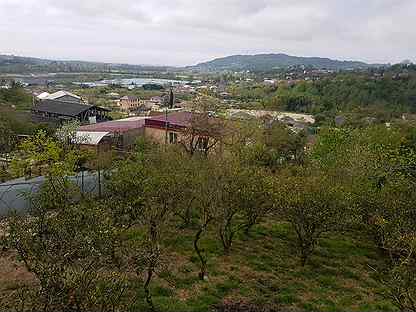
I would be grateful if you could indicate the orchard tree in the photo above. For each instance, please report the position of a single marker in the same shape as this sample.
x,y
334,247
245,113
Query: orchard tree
x,y
205,131
244,197
7,137
66,251
66,240
284,144
313,205
397,227
207,198
255,196
228,208
146,191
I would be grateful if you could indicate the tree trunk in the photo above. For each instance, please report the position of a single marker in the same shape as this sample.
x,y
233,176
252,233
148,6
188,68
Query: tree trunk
x,y
303,258
147,289
226,240
251,221
203,266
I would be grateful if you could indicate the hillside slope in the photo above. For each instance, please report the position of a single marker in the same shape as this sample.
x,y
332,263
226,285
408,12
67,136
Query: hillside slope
x,y
20,64
266,62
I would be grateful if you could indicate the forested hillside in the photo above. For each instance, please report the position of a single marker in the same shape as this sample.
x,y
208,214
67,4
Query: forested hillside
x,y
347,92
18,64
365,95
267,62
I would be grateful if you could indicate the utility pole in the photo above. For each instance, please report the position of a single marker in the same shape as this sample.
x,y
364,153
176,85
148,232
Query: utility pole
x,y
166,126
170,105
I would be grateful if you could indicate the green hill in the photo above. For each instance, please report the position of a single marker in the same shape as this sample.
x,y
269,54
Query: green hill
x,y
267,62
20,64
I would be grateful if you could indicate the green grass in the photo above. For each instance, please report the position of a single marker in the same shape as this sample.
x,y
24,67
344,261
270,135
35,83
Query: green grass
x,y
264,269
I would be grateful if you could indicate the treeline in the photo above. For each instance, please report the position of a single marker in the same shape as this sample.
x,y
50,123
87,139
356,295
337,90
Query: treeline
x,y
349,92
18,64
364,95
95,254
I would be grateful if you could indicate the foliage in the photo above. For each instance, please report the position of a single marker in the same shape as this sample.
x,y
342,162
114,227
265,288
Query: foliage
x,y
170,219
204,132
363,96
144,195
7,138
64,242
45,155
207,192
313,205
17,96
68,264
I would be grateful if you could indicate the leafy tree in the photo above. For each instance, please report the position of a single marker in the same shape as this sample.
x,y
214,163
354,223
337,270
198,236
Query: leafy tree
x,y
7,137
146,192
313,205
207,197
17,96
204,132
65,242
255,196
284,144
396,224
66,251
243,196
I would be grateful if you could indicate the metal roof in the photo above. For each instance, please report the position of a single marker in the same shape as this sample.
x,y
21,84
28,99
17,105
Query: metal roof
x,y
62,108
60,94
43,96
181,119
116,126
90,138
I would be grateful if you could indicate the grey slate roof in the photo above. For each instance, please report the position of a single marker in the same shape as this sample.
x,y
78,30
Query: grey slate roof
x,y
70,109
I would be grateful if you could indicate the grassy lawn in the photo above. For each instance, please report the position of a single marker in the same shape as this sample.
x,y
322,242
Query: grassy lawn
x,y
264,270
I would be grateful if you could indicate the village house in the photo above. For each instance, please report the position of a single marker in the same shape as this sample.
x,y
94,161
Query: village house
x,y
120,134
53,111
167,128
158,100
195,132
125,132
163,129
129,103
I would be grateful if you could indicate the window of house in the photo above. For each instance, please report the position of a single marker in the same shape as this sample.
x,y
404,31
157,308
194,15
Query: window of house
x,y
173,138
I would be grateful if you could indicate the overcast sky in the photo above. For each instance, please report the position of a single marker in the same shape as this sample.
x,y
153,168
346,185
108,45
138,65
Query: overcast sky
x,y
185,32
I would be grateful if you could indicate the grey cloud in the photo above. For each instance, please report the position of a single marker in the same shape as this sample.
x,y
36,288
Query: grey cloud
x,y
179,32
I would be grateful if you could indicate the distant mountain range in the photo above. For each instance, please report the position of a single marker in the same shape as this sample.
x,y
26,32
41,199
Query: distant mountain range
x,y
268,62
259,62
20,64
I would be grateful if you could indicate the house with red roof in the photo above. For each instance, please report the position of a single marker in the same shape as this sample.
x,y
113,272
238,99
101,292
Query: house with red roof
x,y
169,128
